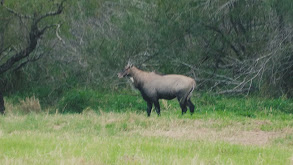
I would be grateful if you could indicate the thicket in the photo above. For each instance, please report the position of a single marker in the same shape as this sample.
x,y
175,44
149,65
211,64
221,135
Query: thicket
x,y
228,46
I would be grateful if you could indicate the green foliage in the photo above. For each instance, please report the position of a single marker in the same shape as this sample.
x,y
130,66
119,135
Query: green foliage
x,y
101,36
75,101
123,103
251,107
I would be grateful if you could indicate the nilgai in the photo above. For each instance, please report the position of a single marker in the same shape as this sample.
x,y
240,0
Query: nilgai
x,y
153,87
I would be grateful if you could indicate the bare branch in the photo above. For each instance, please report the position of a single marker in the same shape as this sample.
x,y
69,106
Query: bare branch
x,y
35,34
57,34
52,13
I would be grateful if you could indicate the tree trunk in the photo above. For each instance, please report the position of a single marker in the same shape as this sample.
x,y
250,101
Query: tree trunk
x,y
2,107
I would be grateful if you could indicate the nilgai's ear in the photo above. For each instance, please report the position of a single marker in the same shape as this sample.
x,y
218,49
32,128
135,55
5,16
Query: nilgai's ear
x,y
129,64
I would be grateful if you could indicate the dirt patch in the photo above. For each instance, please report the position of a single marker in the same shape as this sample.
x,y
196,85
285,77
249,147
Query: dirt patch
x,y
252,137
239,137
58,127
232,134
131,159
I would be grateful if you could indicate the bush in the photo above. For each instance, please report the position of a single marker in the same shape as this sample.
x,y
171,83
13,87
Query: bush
x,y
78,100
75,101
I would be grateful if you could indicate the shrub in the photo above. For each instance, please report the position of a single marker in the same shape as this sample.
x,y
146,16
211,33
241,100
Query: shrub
x,y
76,100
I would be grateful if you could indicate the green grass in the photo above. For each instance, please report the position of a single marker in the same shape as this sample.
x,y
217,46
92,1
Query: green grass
x,y
223,130
51,149
132,138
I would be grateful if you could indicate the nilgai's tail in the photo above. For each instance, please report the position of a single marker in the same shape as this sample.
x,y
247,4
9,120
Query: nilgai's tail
x,y
188,94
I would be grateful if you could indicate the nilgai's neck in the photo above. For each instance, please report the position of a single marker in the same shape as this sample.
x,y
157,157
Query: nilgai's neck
x,y
136,73
138,76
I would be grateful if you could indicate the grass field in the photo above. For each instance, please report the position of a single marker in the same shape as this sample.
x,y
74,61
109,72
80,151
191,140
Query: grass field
x,y
222,131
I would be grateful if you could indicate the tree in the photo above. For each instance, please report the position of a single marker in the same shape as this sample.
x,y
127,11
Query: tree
x,y
17,45
2,107
247,46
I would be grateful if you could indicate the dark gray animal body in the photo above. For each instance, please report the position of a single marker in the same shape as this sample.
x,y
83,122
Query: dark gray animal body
x,y
154,87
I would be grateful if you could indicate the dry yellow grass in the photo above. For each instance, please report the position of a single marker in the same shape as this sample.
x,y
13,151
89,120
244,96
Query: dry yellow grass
x,y
30,104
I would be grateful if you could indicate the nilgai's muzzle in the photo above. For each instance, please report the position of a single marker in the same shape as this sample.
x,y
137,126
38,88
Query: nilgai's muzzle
x,y
120,75
125,71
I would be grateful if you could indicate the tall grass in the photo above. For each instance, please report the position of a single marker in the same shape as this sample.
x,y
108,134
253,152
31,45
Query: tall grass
x,y
30,104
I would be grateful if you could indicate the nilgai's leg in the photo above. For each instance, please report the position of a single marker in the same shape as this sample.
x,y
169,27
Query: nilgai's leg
x,y
157,105
149,108
191,106
183,107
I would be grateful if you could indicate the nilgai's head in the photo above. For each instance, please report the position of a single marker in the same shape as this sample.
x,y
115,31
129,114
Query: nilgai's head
x,y
125,71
